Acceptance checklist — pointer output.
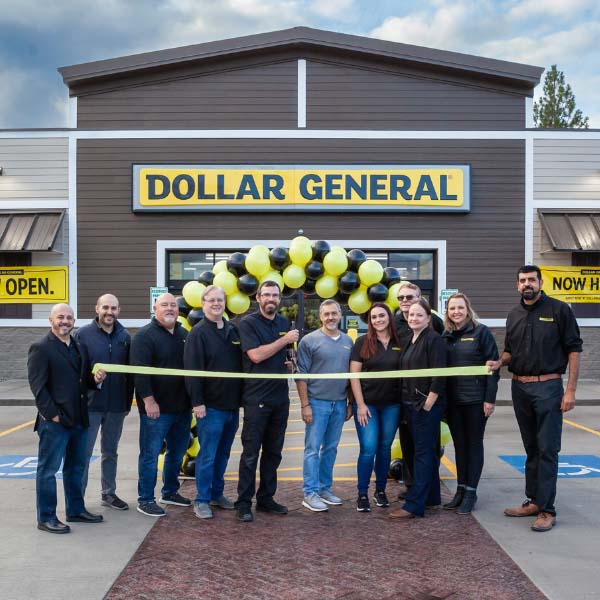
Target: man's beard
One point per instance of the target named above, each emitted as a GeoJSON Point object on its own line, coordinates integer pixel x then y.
{"type": "Point", "coordinates": [529, 293]}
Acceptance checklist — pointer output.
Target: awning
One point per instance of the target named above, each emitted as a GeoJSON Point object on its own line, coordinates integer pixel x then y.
{"type": "Point", "coordinates": [29, 231]}
{"type": "Point", "coordinates": [572, 230]}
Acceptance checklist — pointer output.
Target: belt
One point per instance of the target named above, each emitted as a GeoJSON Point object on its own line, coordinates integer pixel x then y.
{"type": "Point", "coordinates": [536, 378]}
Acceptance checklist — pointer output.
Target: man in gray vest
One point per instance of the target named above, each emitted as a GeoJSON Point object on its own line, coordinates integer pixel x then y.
{"type": "Point", "coordinates": [324, 404]}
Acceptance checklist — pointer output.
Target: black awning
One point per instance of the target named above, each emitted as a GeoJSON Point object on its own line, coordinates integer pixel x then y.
{"type": "Point", "coordinates": [571, 230]}
{"type": "Point", "coordinates": [31, 231]}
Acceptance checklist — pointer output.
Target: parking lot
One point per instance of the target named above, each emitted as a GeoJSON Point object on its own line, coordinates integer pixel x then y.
{"type": "Point", "coordinates": [562, 564]}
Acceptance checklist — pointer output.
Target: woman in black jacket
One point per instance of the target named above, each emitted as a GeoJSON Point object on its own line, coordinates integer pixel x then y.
{"type": "Point", "coordinates": [423, 399]}
{"type": "Point", "coordinates": [471, 400]}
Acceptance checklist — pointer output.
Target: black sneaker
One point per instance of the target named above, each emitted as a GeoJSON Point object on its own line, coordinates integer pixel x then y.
{"type": "Point", "coordinates": [244, 514]}
{"type": "Point", "coordinates": [272, 507]}
{"type": "Point", "coordinates": [151, 509]}
{"type": "Point", "coordinates": [381, 499]}
{"type": "Point", "coordinates": [176, 499]}
{"type": "Point", "coordinates": [363, 504]}
{"type": "Point", "coordinates": [113, 501]}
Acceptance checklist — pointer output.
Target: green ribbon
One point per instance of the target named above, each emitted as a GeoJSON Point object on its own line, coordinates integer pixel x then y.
{"type": "Point", "coordinates": [444, 372]}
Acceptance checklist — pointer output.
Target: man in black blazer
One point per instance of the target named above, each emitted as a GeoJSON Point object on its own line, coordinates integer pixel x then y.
{"type": "Point", "coordinates": [59, 375]}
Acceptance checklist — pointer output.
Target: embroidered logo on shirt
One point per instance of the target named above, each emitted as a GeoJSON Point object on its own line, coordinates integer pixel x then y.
{"type": "Point", "coordinates": [467, 339]}
{"type": "Point", "coordinates": [396, 348]}
{"type": "Point", "coordinates": [234, 342]}
{"type": "Point", "coordinates": [282, 332]}
{"type": "Point", "coordinates": [547, 319]}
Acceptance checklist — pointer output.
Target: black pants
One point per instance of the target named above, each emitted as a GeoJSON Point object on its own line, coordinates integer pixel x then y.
{"type": "Point", "coordinates": [467, 426]}
{"type": "Point", "coordinates": [264, 429]}
{"type": "Point", "coordinates": [407, 445]}
{"type": "Point", "coordinates": [537, 408]}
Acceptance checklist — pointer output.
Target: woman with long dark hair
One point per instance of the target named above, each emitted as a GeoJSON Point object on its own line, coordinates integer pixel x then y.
{"type": "Point", "coordinates": [423, 399]}
{"type": "Point", "coordinates": [471, 400]}
{"type": "Point", "coordinates": [376, 403]}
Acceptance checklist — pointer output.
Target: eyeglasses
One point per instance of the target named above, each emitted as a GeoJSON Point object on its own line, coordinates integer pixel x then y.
{"type": "Point", "coordinates": [409, 297]}
{"type": "Point", "coordinates": [274, 296]}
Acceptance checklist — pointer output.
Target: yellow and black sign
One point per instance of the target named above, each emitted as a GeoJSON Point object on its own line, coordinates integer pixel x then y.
{"type": "Point", "coordinates": [572, 284]}
{"type": "Point", "coordinates": [301, 187]}
{"type": "Point", "coordinates": [34, 285]}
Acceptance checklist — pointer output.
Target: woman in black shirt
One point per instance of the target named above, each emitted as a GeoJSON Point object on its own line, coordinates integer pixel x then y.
{"type": "Point", "coordinates": [471, 400]}
{"type": "Point", "coordinates": [377, 405]}
{"type": "Point", "coordinates": [423, 400]}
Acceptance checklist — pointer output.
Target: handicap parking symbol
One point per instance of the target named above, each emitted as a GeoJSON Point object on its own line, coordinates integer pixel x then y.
{"type": "Point", "coordinates": [570, 466]}
{"type": "Point", "coordinates": [22, 466]}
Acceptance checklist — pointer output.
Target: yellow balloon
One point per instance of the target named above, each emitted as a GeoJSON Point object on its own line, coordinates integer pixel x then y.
{"type": "Point", "coordinates": [220, 267]}
{"type": "Point", "coordinates": [294, 276]}
{"type": "Point", "coordinates": [337, 249]}
{"type": "Point", "coordinates": [273, 276]}
{"type": "Point", "coordinates": [326, 286]}
{"type": "Point", "coordinates": [445, 436]}
{"type": "Point", "coordinates": [227, 281]}
{"type": "Point", "coordinates": [392, 298]}
{"type": "Point", "coordinates": [257, 262]}
{"type": "Point", "coordinates": [335, 263]}
{"type": "Point", "coordinates": [184, 323]}
{"type": "Point", "coordinates": [359, 302]}
{"type": "Point", "coordinates": [192, 293]}
{"type": "Point", "coordinates": [238, 303]}
{"type": "Point", "coordinates": [396, 450]}
{"type": "Point", "coordinates": [300, 250]}
{"type": "Point", "coordinates": [370, 272]}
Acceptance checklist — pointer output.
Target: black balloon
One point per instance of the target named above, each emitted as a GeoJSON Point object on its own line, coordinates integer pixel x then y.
{"type": "Point", "coordinates": [247, 284]}
{"type": "Point", "coordinates": [236, 263]}
{"type": "Point", "coordinates": [287, 292]}
{"type": "Point", "coordinates": [189, 470]}
{"type": "Point", "coordinates": [341, 297]}
{"type": "Point", "coordinates": [279, 258]}
{"type": "Point", "coordinates": [355, 259]}
{"type": "Point", "coordinates": [391, 275]}
{"type": "Point", "coordinates": [395, 471]}
{"type": "Point", "coordinates": [364, 317]}
{"type": "Point", "coordinates": [320, 248]}
{"type": "Point", "coordinates": [309, 286]}
{"type": "Point", "coordinates": [195, 316]}
{"type": "Point", "coordinates": [348, 282]}
{"type": "Point", "coordinates": [206, 277]}
{"type": "Point", "coordinates": [184, 307]}
{"type": "Point", "coordinates": [314, 269]}
{"type": "Point", "coordinates": [377, 293]}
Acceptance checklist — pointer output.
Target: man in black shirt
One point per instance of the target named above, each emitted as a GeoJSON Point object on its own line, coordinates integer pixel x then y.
{"type": "Point", "coordinates": [265, 335]}
{"type": "Point", "coordinates": [542, 339]}
{"type": "Point", "coordinates": [164, 406]}
{"type": "Point", "coordinates": [59, 373]}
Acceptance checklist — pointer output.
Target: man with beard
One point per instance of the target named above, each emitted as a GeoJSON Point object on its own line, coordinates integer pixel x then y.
{"type": "Point", "coordinates": [542, 339]}
{"type": "Point", "coordinates": [265, 335]}
{"type": "Point", "coordinates": [324, 404]}
{"type": "Point", "coordinates": [164, 405]}
{"type": "Point", "coordinates": [107, 341]}
{"type": "Point", "coordinates": [59, 375]}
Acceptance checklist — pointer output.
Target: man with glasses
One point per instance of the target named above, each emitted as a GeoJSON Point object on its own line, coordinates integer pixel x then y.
{"type": "Point", "coordinates": [408, 294]}
{"type": "Point", "coordinates": [265, 335]}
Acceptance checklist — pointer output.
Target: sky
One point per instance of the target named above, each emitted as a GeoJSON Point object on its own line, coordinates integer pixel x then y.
{"type": "Point", "coordinates": [38, 36]}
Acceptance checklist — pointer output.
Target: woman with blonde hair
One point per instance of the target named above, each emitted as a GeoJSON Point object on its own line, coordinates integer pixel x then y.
{"type": "Point", "coordinates": [471, 399]}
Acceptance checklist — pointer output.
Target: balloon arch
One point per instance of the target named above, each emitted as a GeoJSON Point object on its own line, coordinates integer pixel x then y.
{"type": "Point", "coordinates": [311, 267]}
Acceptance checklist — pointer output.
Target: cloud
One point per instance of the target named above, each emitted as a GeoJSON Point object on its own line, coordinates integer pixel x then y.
{"type": "Point", "coordinates": [332, 9]}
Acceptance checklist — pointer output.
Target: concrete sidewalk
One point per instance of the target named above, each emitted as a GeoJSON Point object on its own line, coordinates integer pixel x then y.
{"type": "Point", "coordinates": [16, 392]}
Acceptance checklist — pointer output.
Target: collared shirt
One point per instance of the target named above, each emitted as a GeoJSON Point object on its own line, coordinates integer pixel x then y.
{"type": "Point", "coordinates": [256, 330]}
{"type": "Point", "coordinates": [540, 336]}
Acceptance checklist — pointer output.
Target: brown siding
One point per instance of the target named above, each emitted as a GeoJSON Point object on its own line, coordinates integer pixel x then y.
{"type": "Point", "coordinates": [253, 97]}
{"type": "Point", "coordinates": [349, 97]}
{"type": "Point", "coordinates": [117, 249]}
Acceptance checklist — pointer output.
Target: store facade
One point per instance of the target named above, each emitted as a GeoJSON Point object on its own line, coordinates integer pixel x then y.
{"type": "Point", "coordinates": [341, 110]}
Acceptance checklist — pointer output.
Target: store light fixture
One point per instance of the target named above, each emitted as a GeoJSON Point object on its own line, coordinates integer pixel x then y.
{"type": "Point", "coordinates": [1, 170]}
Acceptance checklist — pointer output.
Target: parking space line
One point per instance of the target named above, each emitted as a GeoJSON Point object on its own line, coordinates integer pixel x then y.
{"type": "Point", "coordinates": [13, 429]}
{"type": "Point", "coordinates": [449, 465]}
{"type": "Point", "coordinates": [582, 427]}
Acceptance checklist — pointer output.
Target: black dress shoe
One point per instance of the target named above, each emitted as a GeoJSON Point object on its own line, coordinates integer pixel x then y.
{"type": "Point", "coordinates": [85, 517]}
{"type": "Point", "coordinates": [272, 507]}
{"type": "Point", "coordinates": [245, 515]}
{"type": "Point", "coordinates": [54, 526]}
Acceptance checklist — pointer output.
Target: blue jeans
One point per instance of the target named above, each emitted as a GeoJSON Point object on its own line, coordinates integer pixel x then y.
{"type": "Point", "coordinates": [110, 434]}
{"type": "Point", "coordinates": [216, 432]}
{"type": "Point", "coordinates": [425, 490]}
{"type": "Point", "coordinates": [174, 428]}
{"type": "Point", "coordinates": [375, 440]}
{"type": "Point", "coordinates": [320, 443]}
{"type": "Point", "coordinates": [58, 443]}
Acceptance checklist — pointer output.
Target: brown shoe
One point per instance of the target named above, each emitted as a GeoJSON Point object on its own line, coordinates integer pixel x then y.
{"type": "Point", "coordinates": [527, 509]}
{"type": "Point", "coordinates": [544, 522]}
{"type": "Point", "coordinates": [400, 513]}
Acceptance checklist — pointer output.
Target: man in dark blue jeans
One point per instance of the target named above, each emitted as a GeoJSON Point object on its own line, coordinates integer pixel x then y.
{"type": "Point", "coordinates": [164, 406]}
{"type": "Point", "coordinates": [542, 339]}
{"type": "Point", "coordinates": [59, 373]}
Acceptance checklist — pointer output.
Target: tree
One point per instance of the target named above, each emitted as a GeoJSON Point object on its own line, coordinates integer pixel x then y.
{"type": "Point", "coordinates": [556, 107]}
